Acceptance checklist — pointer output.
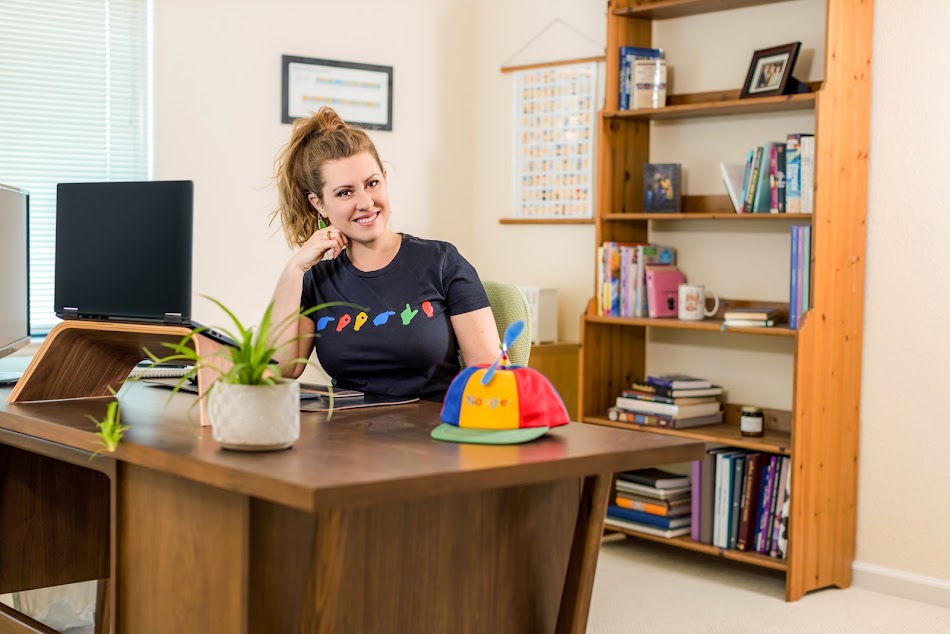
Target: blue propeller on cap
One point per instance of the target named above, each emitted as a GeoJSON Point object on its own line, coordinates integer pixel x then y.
{"type": "Point", "coordinates": [512, 332]}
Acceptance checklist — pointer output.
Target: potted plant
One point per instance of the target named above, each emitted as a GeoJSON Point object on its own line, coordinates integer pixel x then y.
{"type": "Point", "coordinates": [250, 405]}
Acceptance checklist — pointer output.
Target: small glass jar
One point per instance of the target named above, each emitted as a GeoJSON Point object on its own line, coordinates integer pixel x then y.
{"type": "Point", "coordinates": [752, 421]}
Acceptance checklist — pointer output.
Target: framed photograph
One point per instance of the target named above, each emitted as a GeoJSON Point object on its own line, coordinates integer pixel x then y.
{"type": "Point", "coordinates": [362, 94]}
{"type": "Point", "coordinates": [661, 187]}
{"type": "Point", "coordinates": [770, 72]}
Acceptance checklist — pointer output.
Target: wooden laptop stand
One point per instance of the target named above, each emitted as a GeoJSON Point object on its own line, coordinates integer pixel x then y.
{"type": "Point", "coordinates": [83, 359]}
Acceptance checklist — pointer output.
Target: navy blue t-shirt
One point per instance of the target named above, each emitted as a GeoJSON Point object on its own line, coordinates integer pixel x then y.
{"type": "Point", "coordinates": [403, 343]}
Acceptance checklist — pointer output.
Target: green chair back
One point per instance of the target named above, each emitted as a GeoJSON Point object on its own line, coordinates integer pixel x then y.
{"type": "Point", "coordinates": [508, 304]}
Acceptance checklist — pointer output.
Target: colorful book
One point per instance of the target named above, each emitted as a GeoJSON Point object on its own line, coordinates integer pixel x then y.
{"type": "Point", "coordinates": [646, 528]}
{"type": "Point", "coordinates": [663, 290]}
{"type": "Point", "coordinates": [656, 398]}
{"type": "Point", "coordinates": [628, 54]}
{"type": "Point", "coordinates": [667, 409]}
{"type": "Point", "coordinates": [656, 478]}
{"type": "Point", "coordinates": [808, 173]}
{"type": "Point", "coordinates": [750, 500]}
{"type": "Point", "coordinates": [780, 173]}
{"type": "Point", "coordinates": [793, 283]}
{"type": "Point", "coordinates": [678, 381]}
{"type": "Point", "coordinates": [654, 507]}
{"type": "Point", "coordinates": [762, 193]}
{"type": "Point", "coordinates": [649, 388]}
{"type": "Point", "coordinates": [748, 203]}
{"type": "Point", "coordinates": [654, 420]}
{"type": "Point", "coordinates": [648, 254]}
{"type": "Point", "coordinates": [793, 172]}
{"type": "Point", "coordinates": [753, 312]}
{"type": "Point", "coordinates": [640, 517]}
{"type": "Point", "coordinates": [681, 493]}
{"type": "Point", "coordinates": [805, 274]}
{"type": "Point", "coordinates": [696, 498]}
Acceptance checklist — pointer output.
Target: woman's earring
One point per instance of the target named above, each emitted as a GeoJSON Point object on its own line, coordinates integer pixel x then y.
{"type": "Point", "coordinates": [321, 224]}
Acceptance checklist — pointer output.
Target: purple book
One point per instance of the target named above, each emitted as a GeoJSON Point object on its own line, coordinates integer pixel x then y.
{"type": "Point", "coordinates": [696, 494]}
{"type": "Point", "coordinates": [763, 526]}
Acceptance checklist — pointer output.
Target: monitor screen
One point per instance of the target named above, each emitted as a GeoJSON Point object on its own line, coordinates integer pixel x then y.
{"type": "Point", "coordinates": [123, 250]}
{"type": "Point", "coordinates": [14, 269]}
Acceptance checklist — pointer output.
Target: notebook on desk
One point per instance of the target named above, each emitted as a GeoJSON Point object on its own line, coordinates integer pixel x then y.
{"type": "Point", "coordinates": [124, 253]}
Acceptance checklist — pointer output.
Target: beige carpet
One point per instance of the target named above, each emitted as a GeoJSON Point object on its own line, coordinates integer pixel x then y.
{"type": "Point", "coordinates": [645, 587]}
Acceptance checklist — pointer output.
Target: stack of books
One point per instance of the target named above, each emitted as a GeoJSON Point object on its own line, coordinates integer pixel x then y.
{"type": "Point", "coordinates": [674, 401]}
{"type": "Point", "coordinates": [752, 317]}
{"type": "Point", "coordinates": [651, 501]}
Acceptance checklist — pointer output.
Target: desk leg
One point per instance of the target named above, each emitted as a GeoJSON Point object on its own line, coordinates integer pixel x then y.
{"type": "Point", "coordinates": [575, 601]}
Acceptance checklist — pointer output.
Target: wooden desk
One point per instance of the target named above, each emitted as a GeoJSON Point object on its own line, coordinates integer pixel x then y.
{"type": "Point", "coordinates": [366, 525]}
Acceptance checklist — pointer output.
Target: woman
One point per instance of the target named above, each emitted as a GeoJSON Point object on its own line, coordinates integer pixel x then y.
{"type": "Point", "coordinates": [421, 300]}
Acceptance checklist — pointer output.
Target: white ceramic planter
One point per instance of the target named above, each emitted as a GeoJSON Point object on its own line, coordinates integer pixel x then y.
{"type": "Point", "coordinates": [255, 417]}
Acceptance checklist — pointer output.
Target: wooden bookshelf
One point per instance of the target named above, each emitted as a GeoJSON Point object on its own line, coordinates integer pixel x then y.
{"type": "Point", "coordinates": [821, 432]}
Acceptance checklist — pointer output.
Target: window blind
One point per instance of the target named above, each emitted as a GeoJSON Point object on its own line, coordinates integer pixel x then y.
{"type": "Point", "coordinates": [74, 106]}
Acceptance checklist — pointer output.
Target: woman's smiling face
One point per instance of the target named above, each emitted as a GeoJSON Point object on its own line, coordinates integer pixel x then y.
{"type": "Point", "coordinates": [355, 197]}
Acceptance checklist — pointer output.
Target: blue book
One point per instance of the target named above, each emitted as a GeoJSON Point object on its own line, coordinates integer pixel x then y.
{"type": "Point", "coordinates": [627, 56]}
{"type": "Point", "coordinates": [806, 269]}
{"type": "Point", "coordinates": [646, 518]}
{"type": "Point", "coordinates": [793, 174]}
{"type": "Point", "coordinates": [793, 283]}
{"type": "Point", "coordinates": [763, 192]}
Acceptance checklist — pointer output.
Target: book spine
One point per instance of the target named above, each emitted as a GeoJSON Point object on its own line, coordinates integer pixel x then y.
{"type": "Point", "coordinates": [707, 501]}
{"type": "Point", "coordinates": [640, 517]}
{"type": "Point", "coordinates": [753, 181]}
{"type": "Point", "coordinates": [750, 497]}
{"type": "Point", "coordinates": [738, 467]}
{"type": "Point", "coordinates": [760, 203]}
{"type": "Point", "coordinates": [655, 398]}
{"type": "Point", "coordinates": [773, 180]}
{"type": "Point", "coordinates": [780, 170]}
{"type": "Point", "coordinates": [623, 94]}
{"type": "Point", "coordinates": [793, 171]}
{"type": "Point", "coordinates": [800, 266]}
{"type": "Point", "coordinates": [774, 506]}
{"type": "Point", "coordinates": [808, 173]}
{"type": "Point", "coordinates": [660, 510]}
{"type": "Point", "coordinates": [793, 284]}
{"type": "Point", "coordinates": [749, 156]}
{"type": "Point", "coordinates": [696, 494]}
{"type": "Point", "coordinates": [777, 515]}
{"type": "Point", "coordinates": [637, 418]}
{"type": "Point", "coordinates": [762, 518]}
{"type": "Point", "coordinates": [806, 270]}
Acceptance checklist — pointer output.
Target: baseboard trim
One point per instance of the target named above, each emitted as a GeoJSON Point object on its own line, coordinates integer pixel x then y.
{"type": "Point", "coordinates": [900, 583]}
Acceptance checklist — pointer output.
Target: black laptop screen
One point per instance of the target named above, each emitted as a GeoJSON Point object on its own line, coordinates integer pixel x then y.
{"type": "Point", "coordinates": [123, 250]}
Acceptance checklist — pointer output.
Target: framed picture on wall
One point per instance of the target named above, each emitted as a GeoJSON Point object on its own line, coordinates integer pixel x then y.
{"type": "Point", "coordinates": [554, 116]}
{"type": "Point", "coordinates": [770, 72]}
{"type": "Point", "coordinates": [362, 94]}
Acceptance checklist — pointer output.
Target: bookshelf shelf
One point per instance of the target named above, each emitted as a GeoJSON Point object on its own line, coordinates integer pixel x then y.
{"type": "Point", "coordinates": [727, 103]}
{"type": "Point", "coordinates": [820, 430]}
{"type": "Point", "coordinates": [685, 542]}
{"type": "Point", "coordinates": [772, 441]}
{"type": "Point", "coordinates": [708, 325]}
{"type": "Point", "coordinates": [666, 9]}
{"type": "Point", "coordinates": [707, 216]}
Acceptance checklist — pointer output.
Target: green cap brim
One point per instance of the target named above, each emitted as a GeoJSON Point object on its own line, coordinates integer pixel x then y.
{"type": "Point", "coordinates": [451, 433]}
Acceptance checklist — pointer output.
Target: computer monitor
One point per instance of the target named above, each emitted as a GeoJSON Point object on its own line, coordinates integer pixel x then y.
{"type": "Point", "coordinates": [14, 269]}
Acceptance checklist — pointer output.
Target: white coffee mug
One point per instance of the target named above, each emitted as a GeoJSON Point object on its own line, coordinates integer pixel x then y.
{"type": "Point", "coordinates": [692, 304]}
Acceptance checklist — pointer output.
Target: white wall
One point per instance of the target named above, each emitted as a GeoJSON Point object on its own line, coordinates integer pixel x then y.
{"type": "Point", "coordinates": [217, 122]}
{"type": "Point", "coordinates": [904, 497]}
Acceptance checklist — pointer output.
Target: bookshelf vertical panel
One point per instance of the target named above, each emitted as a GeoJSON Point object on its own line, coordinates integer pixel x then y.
{"type": "Point", "coordinates": [828, 385]}
{"type": "Point", "coordinates": [614, 357]}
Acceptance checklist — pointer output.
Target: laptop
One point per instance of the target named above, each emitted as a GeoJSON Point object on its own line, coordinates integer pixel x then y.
{"type": "Point", "coordinates": [124, 253]}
